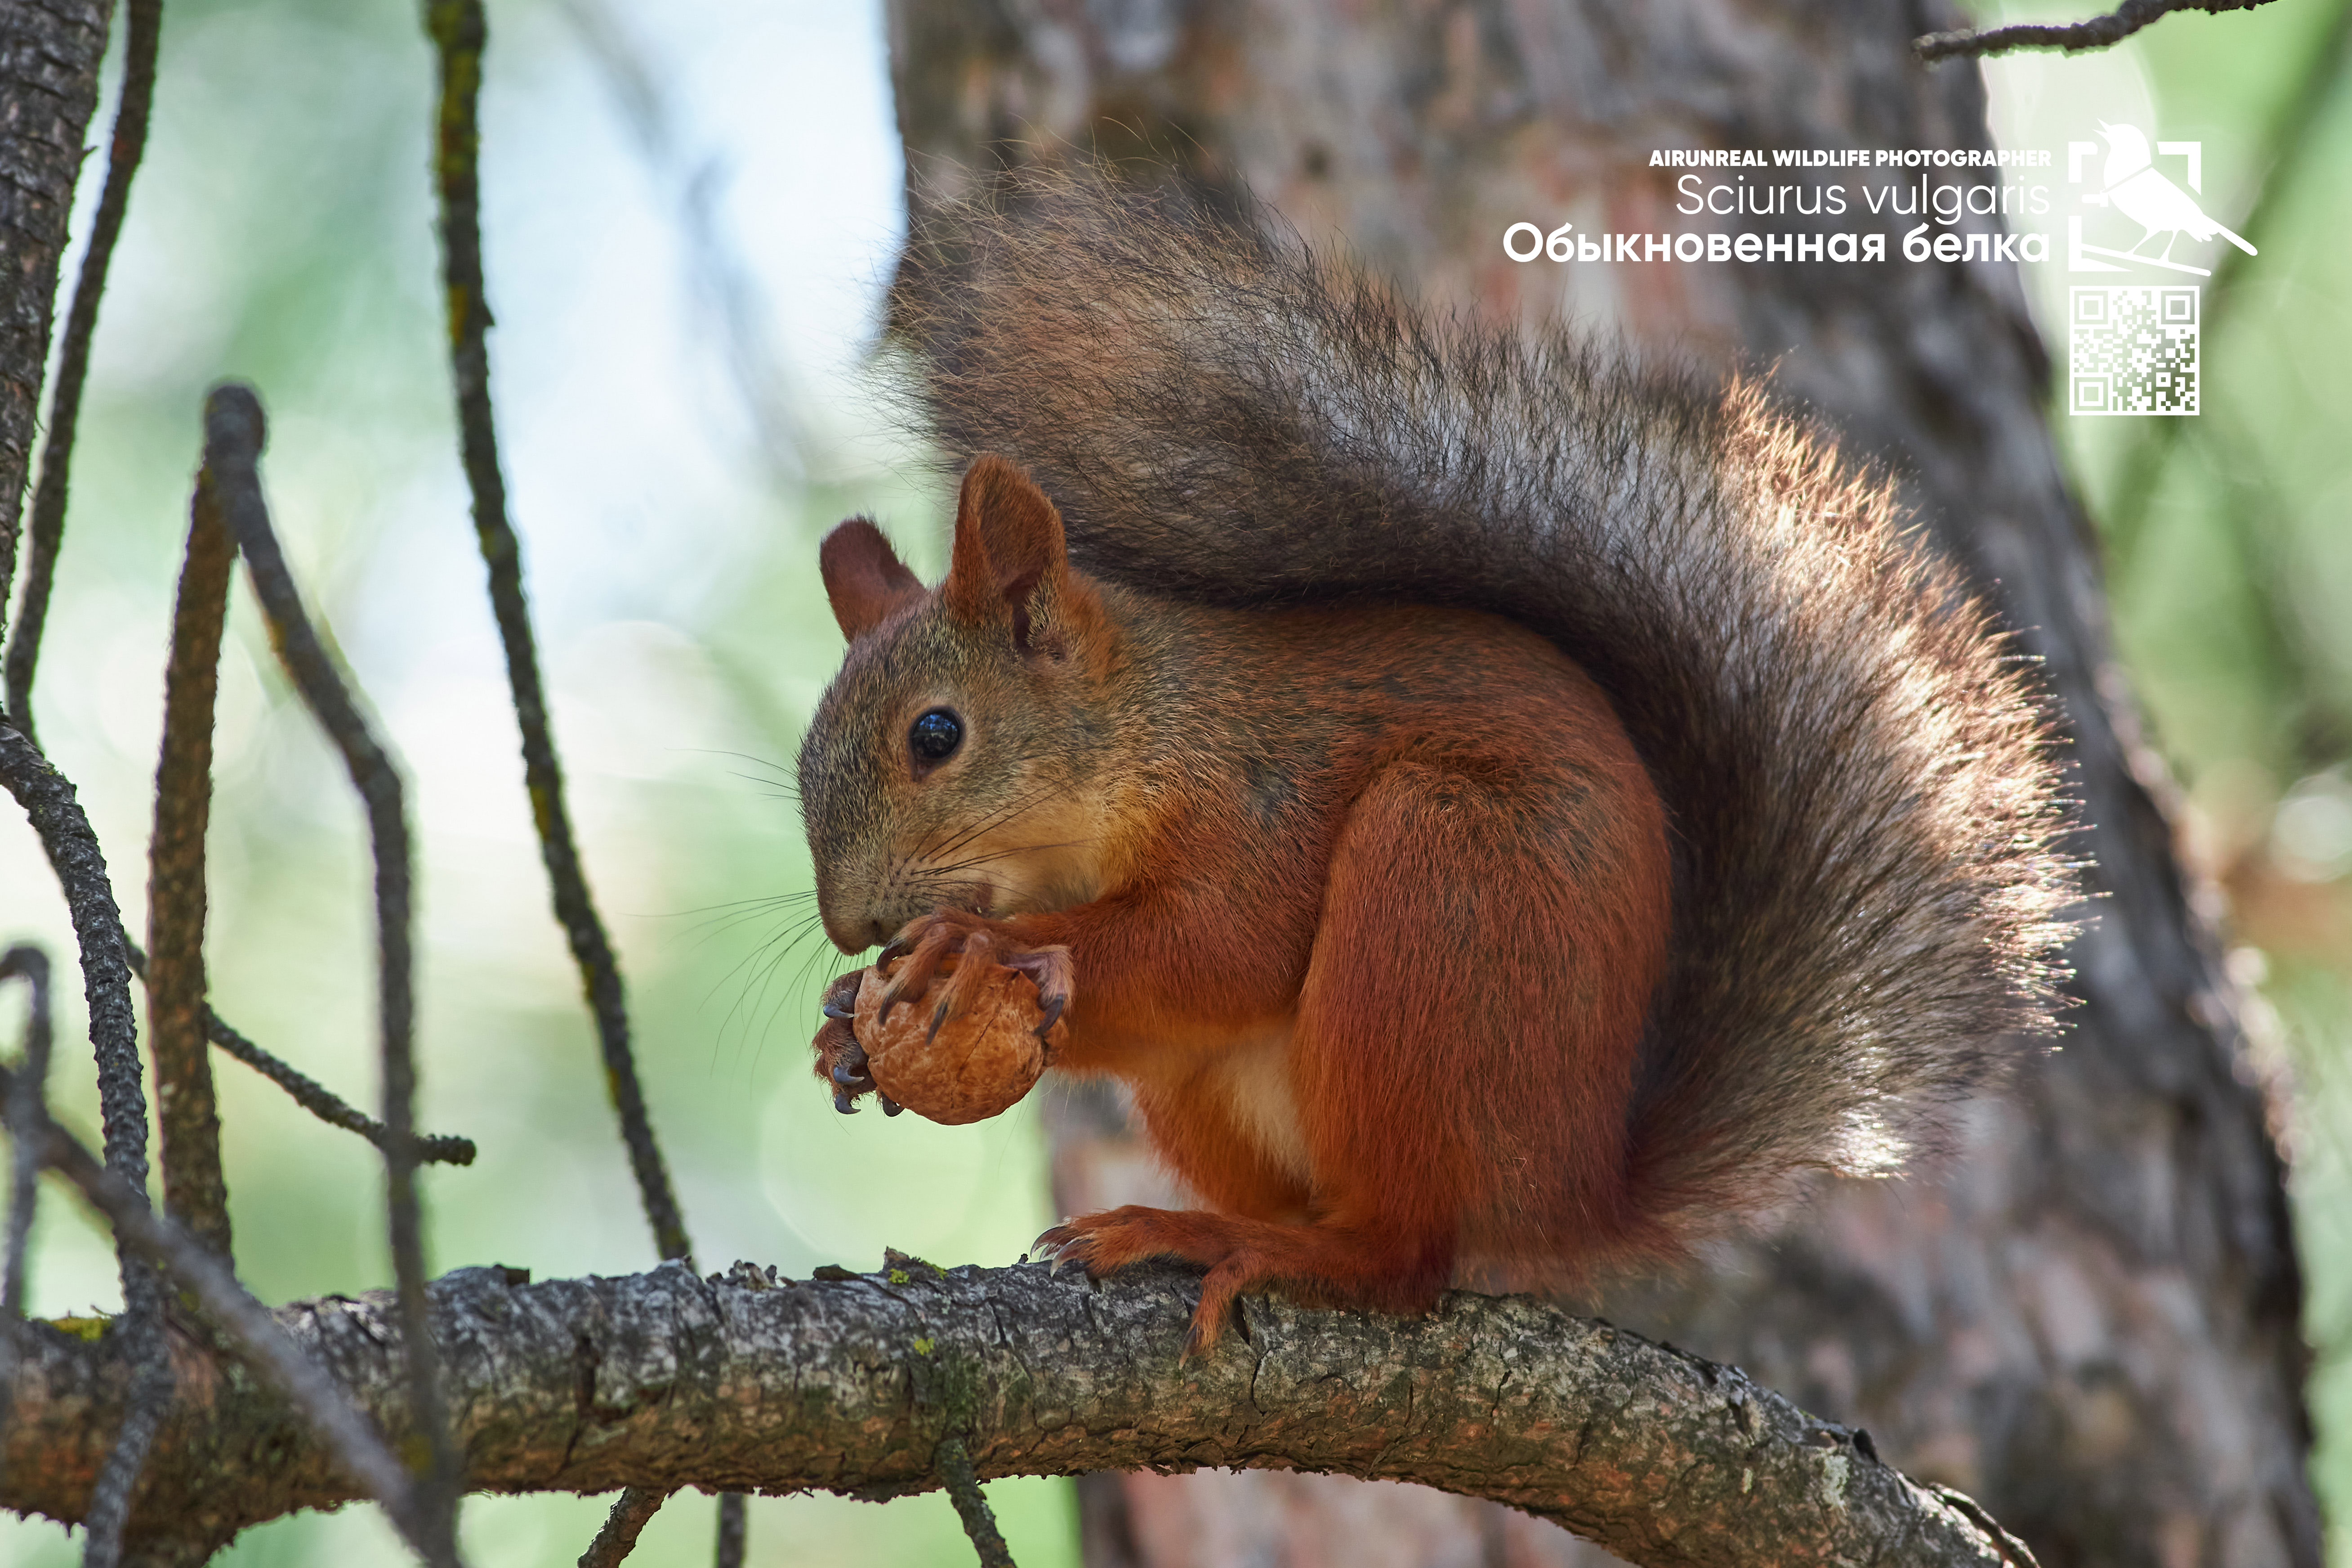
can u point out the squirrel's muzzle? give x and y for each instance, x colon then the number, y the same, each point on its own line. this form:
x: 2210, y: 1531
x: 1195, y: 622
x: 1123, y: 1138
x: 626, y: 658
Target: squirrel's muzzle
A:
x: 846, y: 907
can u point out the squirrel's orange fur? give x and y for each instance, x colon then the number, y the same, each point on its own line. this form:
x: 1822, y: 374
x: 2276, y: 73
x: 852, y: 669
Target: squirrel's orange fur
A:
x: 1416, y: 942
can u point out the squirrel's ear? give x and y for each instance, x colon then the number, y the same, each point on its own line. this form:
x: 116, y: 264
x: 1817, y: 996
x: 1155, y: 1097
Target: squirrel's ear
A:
x: 863, y: 577
x: 1009, y: 557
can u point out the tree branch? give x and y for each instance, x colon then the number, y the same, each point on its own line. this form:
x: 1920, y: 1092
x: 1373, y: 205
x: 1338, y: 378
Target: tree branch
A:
x: 195, y: 1191
x: 312, y: 1095
x: 233, y: 433
x: 311, y: 1391
x: 631, y: 1511
x: 2097, y: 33
x: 23, y: 1107
x: 48, y: 517
x: 49, y: 53
x: 81, y: 866
x: 955, y: 1462
x: 664, y: 1379
x: 459, y: 33
x: 733, y: 1528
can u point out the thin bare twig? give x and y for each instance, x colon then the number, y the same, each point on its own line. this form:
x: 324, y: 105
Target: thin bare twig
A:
x: 233, y: 441
x: 48, y: 516
x: 315, y: 1396
x: 50, y: 60
x: 196, y: 1192
x: 954, y: 1461
x: 459, y: 33
x: 29, y: 964
x: 2012, y: 1551
x: 151, y: 1397
x: 65, y: 832
x: 631, y: 1511
x: 439, y: 1148
x: 2097, y: 32
x: 733, y: 1528
x: 312, y: 1095
x: 81, y: 866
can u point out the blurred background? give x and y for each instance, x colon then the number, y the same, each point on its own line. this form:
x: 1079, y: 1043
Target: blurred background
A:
x: 689, y: 212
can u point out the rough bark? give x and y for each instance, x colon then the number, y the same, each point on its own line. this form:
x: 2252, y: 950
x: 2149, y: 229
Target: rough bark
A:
x: 49, y: 52
x: 663, y: 1380
x: 187, y: 1119
x: 2086, y: 1312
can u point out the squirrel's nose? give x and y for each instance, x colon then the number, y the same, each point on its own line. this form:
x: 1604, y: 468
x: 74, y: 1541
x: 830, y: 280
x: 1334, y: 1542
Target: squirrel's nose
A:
x: 856, y: 935
x: 850, y: 923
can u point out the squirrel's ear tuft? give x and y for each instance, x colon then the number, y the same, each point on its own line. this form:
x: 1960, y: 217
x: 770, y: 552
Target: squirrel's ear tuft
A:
x: 1009, y: 558
x: 863, y: 577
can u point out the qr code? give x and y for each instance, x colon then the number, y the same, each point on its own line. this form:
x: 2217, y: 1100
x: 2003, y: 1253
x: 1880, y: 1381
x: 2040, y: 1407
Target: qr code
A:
x: 2132, y: 349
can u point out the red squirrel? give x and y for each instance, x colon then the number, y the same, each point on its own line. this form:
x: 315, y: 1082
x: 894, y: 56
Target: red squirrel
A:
x: 1493, y: 804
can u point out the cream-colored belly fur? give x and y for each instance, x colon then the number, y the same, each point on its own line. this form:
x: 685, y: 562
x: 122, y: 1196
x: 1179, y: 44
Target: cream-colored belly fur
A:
x: 1253, y: 1073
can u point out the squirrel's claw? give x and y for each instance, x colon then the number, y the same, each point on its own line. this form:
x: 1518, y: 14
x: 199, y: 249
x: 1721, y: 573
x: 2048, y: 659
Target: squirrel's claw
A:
x: 1061, y: 1244
x: 979, y: 957
x: 1049, y: 969
x: 1052, y: 1014
x: 840, y: 1058
x: 850, y: 1076
x: 841, y: 997
x: 1238, y: 1253
x: 913, y: 976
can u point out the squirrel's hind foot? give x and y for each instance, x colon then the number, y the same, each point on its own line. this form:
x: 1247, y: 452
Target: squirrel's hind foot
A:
x: 1321, y: 1264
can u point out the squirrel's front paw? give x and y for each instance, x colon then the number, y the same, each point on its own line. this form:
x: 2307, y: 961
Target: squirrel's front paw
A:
x: 840, y: 1058
x: 982, y: 1019
x: 924, y: 943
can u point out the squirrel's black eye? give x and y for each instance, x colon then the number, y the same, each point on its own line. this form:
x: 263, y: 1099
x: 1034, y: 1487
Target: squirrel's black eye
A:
x: 935, y: 735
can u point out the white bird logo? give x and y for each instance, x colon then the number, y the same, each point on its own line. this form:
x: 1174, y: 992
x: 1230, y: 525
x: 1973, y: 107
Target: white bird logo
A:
x: 2135, y: 189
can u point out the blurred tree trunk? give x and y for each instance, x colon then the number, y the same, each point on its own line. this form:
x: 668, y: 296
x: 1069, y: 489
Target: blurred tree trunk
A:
x: 2085, y: 1314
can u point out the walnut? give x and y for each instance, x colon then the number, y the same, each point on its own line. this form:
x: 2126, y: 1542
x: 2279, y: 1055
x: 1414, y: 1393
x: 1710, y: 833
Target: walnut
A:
x: 984, y: 1058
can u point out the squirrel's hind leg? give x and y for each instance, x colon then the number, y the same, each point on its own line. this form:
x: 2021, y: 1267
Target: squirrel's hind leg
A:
x: 1464, y: 1048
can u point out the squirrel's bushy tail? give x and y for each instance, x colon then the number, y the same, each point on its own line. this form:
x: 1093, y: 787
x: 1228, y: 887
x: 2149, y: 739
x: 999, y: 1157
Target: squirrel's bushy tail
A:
x: 1856, y: 771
